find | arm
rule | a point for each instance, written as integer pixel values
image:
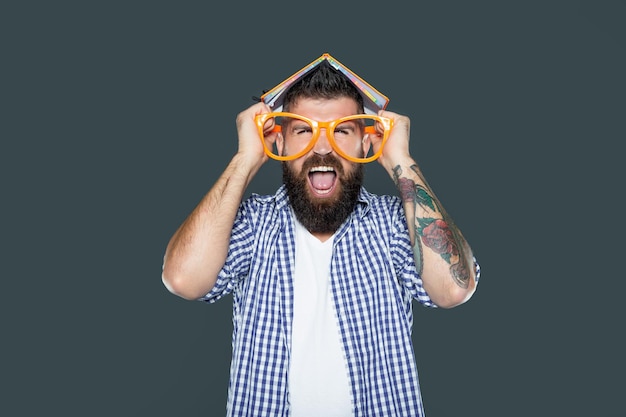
(198, 249)
(442, 255)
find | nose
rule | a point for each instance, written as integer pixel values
(322, 145)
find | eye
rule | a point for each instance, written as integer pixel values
(302, 129)
(345, 129)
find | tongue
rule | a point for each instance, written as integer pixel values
(322, 180)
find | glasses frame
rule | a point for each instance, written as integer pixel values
(385, 122)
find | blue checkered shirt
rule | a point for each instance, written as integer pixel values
(373, 284)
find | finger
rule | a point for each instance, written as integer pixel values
(269, 125)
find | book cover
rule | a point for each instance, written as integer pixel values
(373, 99)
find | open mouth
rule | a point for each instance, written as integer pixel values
(322, 179)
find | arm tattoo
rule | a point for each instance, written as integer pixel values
(438, 234)
(405, 185)
(408, 194)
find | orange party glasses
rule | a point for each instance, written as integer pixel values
(288, 136)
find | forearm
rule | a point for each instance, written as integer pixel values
(442, 255)
(198, 249)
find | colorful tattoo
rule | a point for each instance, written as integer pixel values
(438, 234)
(407, 190)
(408, 194)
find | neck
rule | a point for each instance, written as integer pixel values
(322, 237)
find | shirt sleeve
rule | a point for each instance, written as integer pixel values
(404, 261)
(238, 258)
(477, 269)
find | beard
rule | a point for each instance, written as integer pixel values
(322, 215)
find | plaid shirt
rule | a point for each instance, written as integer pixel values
(373, 283)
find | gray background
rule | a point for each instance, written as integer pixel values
(117, 117)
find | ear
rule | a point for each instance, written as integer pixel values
(280, 143)
(366, 144)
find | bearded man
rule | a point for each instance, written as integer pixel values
(323, 273)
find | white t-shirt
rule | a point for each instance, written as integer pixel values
(318, 376)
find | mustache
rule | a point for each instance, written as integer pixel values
(325, 160)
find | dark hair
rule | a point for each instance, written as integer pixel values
(325, 82)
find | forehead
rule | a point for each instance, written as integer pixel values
(322, 109)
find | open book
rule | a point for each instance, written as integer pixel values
(373, 100)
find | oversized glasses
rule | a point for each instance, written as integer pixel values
(288, 136)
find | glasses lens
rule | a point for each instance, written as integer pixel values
(287, 136)
(354, 136)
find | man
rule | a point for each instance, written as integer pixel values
(322, 273)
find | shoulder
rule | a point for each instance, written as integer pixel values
(259, 208)
(379, 204)
(278, 199)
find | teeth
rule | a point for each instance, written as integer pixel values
(323, 191)
(322, 169)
